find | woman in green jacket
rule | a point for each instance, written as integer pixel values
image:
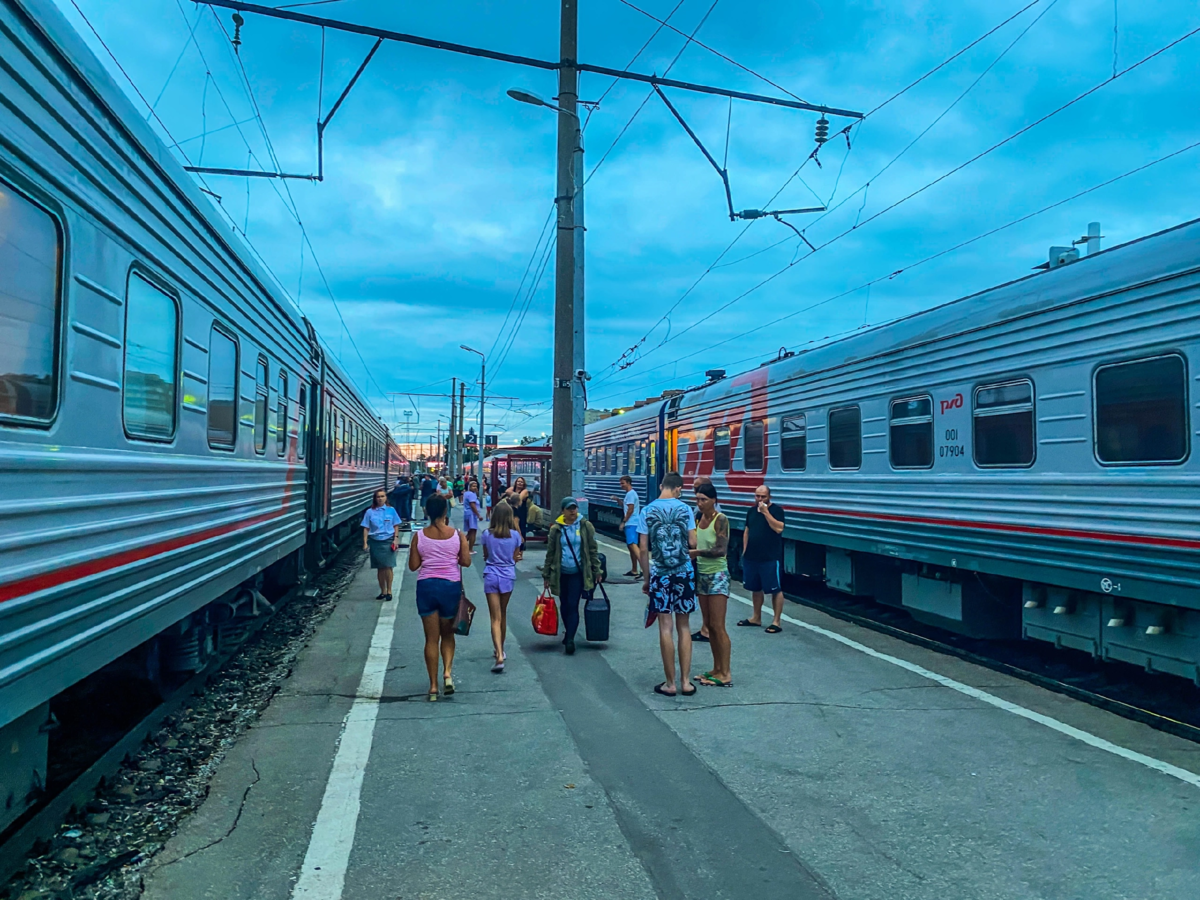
(572, 565)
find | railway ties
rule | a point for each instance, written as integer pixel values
(843, 762)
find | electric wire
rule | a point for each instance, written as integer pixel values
(910, 266)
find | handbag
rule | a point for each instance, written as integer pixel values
(545, 614)
(464, 616)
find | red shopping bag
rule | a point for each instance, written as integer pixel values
(545, 615)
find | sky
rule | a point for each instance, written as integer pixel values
(428, 231)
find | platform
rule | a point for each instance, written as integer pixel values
(842, 763)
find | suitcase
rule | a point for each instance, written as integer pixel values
(596, 610)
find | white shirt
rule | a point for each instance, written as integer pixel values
(632, 499)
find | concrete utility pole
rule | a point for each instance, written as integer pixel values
(462, 425)
(452, 433)
(566, 475)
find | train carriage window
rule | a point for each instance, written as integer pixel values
(793, 443)
(222, 389)
(910, 439)
(301, 420)
(845, 438)
(653, 453)
(30, 287)
(1003, 424)
(151, 361)
(754, 439)
(1141, 411)
(721, 449)
(281, 415)
(261, 392)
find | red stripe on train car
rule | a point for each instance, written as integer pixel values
(1111, 536)
(36, 583)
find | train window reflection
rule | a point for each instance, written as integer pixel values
(845, 438)
(222, 390)
(793, 443)
(1003, 424)
(1141, 411)
(721, 449)
(30, 263)
(910, 441)
(754, 437)
(151, 354)
(281, 415)
(261, 390)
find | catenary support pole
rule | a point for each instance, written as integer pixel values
(462, 412)
(452, 433)
(567, 281)
(482, 396)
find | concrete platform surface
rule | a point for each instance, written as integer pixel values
(842, 763)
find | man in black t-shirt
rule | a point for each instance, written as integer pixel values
(762, 557)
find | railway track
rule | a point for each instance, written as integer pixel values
(1166, 703)
(161, 761)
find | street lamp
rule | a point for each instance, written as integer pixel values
(482, 383)
(566, 445)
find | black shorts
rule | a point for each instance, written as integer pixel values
(761, 575)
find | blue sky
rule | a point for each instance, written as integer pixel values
(438, 185)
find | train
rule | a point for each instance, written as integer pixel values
(1013, 464)
(174, 436)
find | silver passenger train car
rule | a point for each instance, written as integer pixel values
(1014, 463)
(171, 429)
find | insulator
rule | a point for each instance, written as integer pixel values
(822, 130)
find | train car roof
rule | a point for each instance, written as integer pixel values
(49, 21)
(634, 416)
(1174, 250)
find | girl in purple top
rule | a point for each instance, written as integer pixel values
(471, 512)
(501, 553)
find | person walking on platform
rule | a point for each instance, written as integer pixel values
(712, 583)
(472, 514)
(443, 489)
(667, 532)
(501, 553)
(518, 498)
(401, 498)
(458, 487)
(427, 490)
(572, 565)
(762, 558)
(437, 554)
(631, 504)
(381, 537)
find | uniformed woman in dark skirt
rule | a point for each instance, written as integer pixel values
(381, 537)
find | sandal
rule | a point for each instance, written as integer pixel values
(773, 629)
(433, 695)
(746, 623)
(387, 596)
(381, 597)
(449, 685)
(498, 667)
(658, 689)
(689, 693)
(708, 680)
(631, 574)
(699, 637)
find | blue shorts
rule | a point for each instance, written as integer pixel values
(438, 595)
(761, 575)
(631, 534)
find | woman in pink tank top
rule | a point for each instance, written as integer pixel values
(436, 554)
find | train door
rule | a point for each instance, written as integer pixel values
(671, 458)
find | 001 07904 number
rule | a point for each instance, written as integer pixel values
(946, 450)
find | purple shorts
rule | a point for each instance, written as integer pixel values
(497, 582)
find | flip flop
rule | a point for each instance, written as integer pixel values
(708, 681)
(498, 667)
(433, 695)
(773, 629)
(689, 693)
(658, 689)
(746, 623)
(630, 574)
(699, 638)
(449, 686)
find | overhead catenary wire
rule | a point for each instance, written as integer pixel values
(913, 265)
(928, 185)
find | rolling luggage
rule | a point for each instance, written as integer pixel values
(596, 610)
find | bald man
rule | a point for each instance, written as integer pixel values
(762, 558)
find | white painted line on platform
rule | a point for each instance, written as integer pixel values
(323, 874)
(992, 700)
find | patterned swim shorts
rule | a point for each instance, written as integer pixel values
(673, 593)
(716, 583)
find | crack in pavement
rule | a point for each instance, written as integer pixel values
(236, 819)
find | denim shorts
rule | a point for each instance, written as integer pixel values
(761, 575)
(438, 595)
